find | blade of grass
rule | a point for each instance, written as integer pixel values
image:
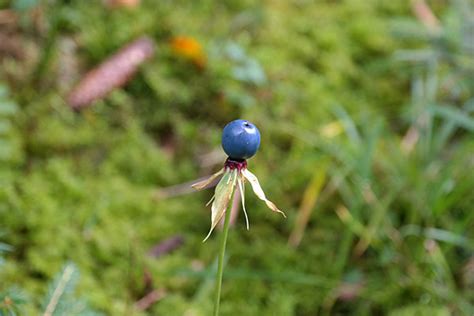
(455, 115)
(308, 203)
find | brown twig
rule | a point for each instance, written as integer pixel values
(166, 246)
(151, 298)
(8, 17)
(426, 16)
(122, 3)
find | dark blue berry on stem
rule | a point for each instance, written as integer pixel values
(240, 139)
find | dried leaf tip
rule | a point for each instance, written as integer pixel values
(257, 189)
(204, 184)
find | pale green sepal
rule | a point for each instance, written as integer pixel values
(240, 182)
(222, 196)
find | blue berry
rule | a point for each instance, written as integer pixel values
(240, 139)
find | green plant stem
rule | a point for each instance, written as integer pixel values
(220, 263)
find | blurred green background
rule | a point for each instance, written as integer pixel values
(366, 114)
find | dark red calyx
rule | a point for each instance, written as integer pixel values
(238, 164)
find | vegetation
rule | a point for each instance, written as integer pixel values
(366, 113)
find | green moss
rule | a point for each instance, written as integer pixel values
(82, 187)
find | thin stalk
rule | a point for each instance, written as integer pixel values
(220, 263)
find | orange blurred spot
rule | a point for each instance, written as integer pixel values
(189, 48)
